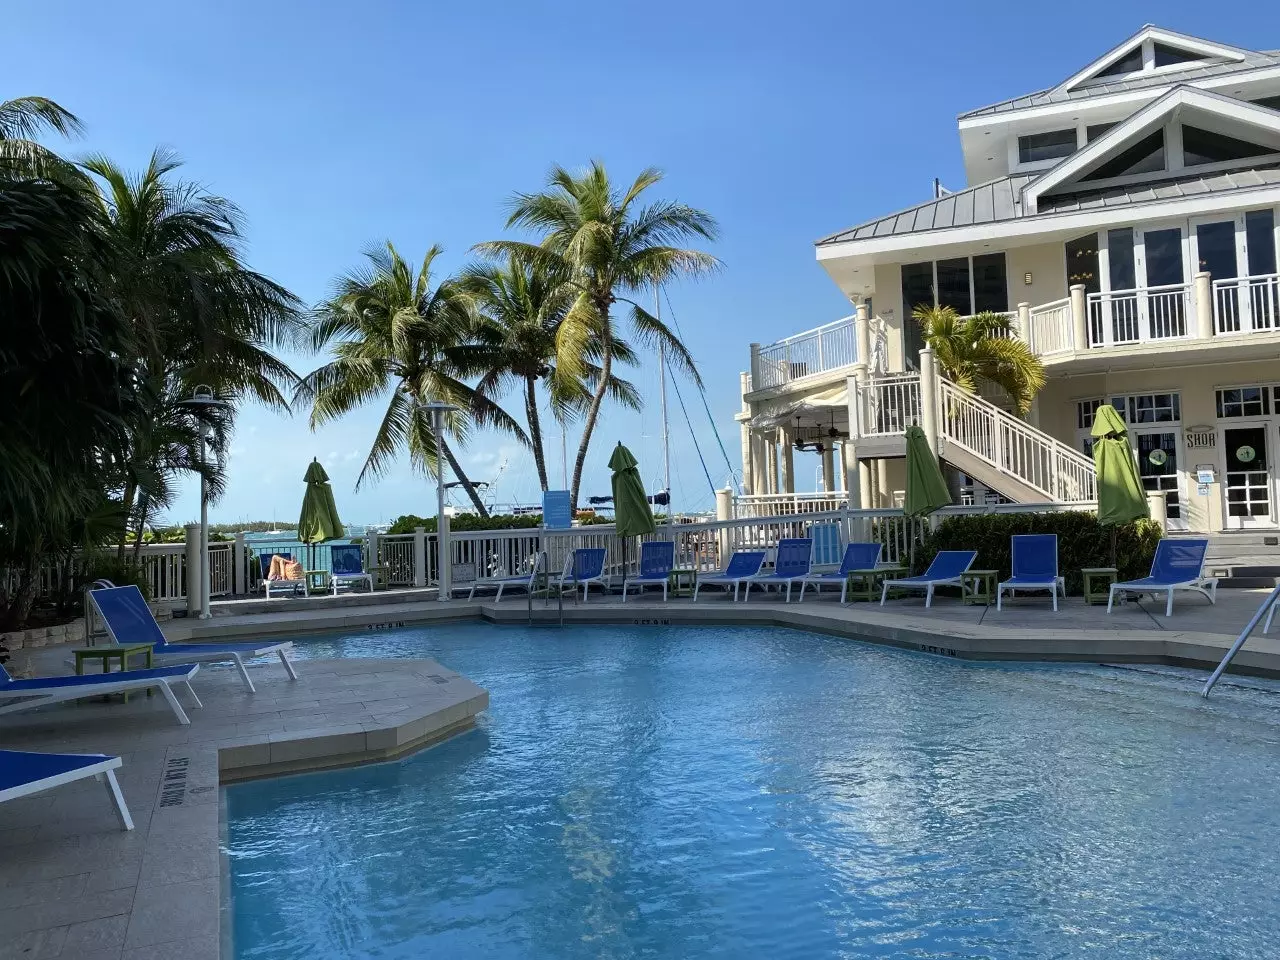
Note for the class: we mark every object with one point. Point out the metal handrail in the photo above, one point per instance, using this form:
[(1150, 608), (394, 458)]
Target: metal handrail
[(1272, 597)]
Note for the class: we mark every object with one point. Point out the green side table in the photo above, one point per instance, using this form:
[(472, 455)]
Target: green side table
[(1093, 576), (865, 584), (978, 586), (109, 653), (681, 583)]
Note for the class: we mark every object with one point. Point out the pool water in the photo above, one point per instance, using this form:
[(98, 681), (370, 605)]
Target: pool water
[(760, 792)]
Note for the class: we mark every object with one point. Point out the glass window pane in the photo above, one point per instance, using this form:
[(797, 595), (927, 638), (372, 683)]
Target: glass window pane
[(1120, 257), (1164, 256), (1271, 103), (953, 285), (1145, 156), (1260, 235), (1095, 130), (1131, 62), (1216, 248), (917, 290), (1201, 146), (990, 284), (1167, 56), (1082, 263), (1046, 146)]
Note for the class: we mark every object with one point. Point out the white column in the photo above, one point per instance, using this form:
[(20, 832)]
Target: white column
[(771, 466), (862, 330), (829, 467), (929, 398), (787, 458), (748, 468), (371, 545), (759, 482), (419, 556), (756, 381), (239, 567), (724, 511), (193, 569), (1079, 318), (1204, 305), (883, 494), (1021, 324)]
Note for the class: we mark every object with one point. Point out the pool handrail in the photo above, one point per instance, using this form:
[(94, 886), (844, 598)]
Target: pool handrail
[(1249, 627)]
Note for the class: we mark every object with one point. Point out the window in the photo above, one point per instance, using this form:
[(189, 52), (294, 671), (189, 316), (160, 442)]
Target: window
[(1271, 103), (1082, 263), (1046, 146), (1243, 402), (1095, 130), (1260, 238), (1154, 408), (1145, 156), (1086, 410), (1131, 62), (1167, 56), (990, 285), (917, 290), (1201, 146), (953, 285)]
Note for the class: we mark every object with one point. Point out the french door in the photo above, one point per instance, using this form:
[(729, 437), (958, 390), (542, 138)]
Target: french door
[(1144, 291), (1158, 469), (1218, 246), (1247, 482)]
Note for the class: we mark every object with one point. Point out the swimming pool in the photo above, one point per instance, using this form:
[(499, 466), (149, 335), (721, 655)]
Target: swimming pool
[(761, 792)]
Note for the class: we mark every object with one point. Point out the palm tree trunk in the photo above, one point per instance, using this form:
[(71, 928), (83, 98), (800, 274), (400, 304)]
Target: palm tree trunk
[(593, 411), (462, 478), (535, 428), (143, 506), (126, 504)]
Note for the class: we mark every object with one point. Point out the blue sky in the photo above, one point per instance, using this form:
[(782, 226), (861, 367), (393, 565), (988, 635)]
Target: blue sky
[(334, 125)]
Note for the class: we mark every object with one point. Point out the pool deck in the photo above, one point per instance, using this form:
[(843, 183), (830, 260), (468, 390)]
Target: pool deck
[(72, 885)]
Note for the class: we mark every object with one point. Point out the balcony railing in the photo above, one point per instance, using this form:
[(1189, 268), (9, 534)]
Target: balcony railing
[(1246, 304), (1050, 330), (815, 351), (1119, 317), (888, 405)]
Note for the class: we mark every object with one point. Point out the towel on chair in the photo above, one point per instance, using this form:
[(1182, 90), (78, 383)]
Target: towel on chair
[(282, 568)]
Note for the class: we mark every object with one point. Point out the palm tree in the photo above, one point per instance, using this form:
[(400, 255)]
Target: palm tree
[(971, 351), (200, 315), (609, 248), (391, 329), (521, 306), (22, 121)]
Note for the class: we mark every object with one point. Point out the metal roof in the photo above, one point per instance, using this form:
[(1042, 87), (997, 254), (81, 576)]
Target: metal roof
[(988, 202), (1172, 189), (1252, 61)]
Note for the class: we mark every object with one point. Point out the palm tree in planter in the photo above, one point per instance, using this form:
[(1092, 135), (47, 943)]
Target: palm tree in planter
[(981, 350), (521, 305), (394, 329), (610, 247)]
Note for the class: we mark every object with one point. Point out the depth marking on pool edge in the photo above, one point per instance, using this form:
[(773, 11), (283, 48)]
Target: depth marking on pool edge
[(389, 625), (173, 788), (941, 651), (653, 622)]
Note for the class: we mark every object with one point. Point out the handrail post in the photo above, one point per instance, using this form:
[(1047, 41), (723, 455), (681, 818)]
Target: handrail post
[(1240, 641), (1079, 318), (419, 556), (1203, 302), (929, 398)]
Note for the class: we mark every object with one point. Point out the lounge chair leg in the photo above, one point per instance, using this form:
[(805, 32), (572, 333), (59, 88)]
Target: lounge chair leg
[(122, 810), (928, 596), (174, 705), (1055, 598), (1000, 597), (1111, 597), (1168, 607), (244, 674), (192, 692), (288, 665), (746, 594), (884, 592)]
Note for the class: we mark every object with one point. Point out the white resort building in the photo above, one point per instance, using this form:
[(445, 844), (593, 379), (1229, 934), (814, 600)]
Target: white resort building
[(1126, 219)]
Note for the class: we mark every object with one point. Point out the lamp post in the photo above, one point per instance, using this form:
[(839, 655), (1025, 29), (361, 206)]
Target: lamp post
[(204, 400), (438, 409)]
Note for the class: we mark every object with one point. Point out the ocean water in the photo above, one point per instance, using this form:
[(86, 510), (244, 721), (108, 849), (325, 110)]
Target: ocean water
[(740, 792)]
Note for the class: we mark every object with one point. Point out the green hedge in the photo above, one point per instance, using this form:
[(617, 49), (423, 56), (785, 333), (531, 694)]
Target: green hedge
[(463, 522), (1082, 542)]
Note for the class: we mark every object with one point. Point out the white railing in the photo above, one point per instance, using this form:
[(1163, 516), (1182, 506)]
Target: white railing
[(824, 348), (781, 504), (1056, 471), (888, 405), (1051, 330), (1246, 304), (397, 556), (492, 553), (1136, 316)]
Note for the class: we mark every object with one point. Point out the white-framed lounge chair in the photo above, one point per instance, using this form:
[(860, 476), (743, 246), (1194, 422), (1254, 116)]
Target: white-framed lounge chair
[(18, 695), (657, 560), (1035, 567), (945, 571), (524, 581), (128, 618), (1177, 565), (791, 564), (22, 774), (584, 567), (857, 556), (346, 567), (280, 587), (743, 565)]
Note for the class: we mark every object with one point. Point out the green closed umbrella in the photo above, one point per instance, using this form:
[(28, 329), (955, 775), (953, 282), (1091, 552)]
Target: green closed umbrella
[(631, 514), (1121, 498), (926, 487), (319, 519)]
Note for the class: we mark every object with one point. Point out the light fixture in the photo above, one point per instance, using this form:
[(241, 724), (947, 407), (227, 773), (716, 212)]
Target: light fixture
[(1027, 278), (203, 400)]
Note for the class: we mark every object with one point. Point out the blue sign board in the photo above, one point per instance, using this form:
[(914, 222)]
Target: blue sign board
[(557, 511)]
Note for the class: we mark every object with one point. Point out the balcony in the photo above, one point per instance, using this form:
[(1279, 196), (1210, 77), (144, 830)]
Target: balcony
[(805, 356)]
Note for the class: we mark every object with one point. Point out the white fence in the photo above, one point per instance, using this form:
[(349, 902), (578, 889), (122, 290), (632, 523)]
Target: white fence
[(1246, 304), (1139, 315), (815, 351), (1051, 329), (888, 405), (785, 504)]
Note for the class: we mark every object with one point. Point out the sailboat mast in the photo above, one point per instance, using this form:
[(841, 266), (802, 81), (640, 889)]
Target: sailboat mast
[(666, 432)]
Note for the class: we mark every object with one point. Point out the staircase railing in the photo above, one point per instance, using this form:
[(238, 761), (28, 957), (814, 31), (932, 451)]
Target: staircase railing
[(1053, 469)]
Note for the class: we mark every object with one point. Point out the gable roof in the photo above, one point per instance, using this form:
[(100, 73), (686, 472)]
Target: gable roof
[(1140, 124), (1208, 49)]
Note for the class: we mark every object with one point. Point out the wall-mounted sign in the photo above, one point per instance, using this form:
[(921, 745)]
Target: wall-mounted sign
[(1245, 454), (1158, 457), (1204, 475), (557, 511)]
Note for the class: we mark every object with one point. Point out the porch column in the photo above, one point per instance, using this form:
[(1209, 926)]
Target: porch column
[(829, 467), (755, 365), (748, 466), (884, 495), (787, 458), (192, 571), (1203, 287), (862, 330), (771, 469), (929, 398), (855, 484), (759, 483), (1079, 318), (1020, 324)]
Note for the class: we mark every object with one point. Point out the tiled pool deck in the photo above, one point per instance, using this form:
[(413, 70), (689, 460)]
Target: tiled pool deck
[(72, 885)]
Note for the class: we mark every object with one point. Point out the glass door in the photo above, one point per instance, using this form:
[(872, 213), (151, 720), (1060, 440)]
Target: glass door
[(1162, 272), (1217, 247), (1119, 318), (1248, 477), (1158, 470)]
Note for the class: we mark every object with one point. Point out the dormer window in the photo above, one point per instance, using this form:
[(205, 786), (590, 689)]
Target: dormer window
[(1131, 62), (1046, 146), (1201, 146), (1145, 156), (1167, 56)]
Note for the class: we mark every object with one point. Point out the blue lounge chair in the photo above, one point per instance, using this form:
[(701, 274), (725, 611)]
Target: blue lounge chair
[(826, 543), (524, 581), (657, 560), (742, 567), (289, 587), (1177, 565), (584, 567), (1035, 567), (945, 571), (22, 774), (18, 695), (129, 621), (791, 564), (857, 556), (346, 567)]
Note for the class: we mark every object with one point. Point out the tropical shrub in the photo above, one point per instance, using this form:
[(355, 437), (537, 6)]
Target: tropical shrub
[(466, 522), (1082, 542)]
